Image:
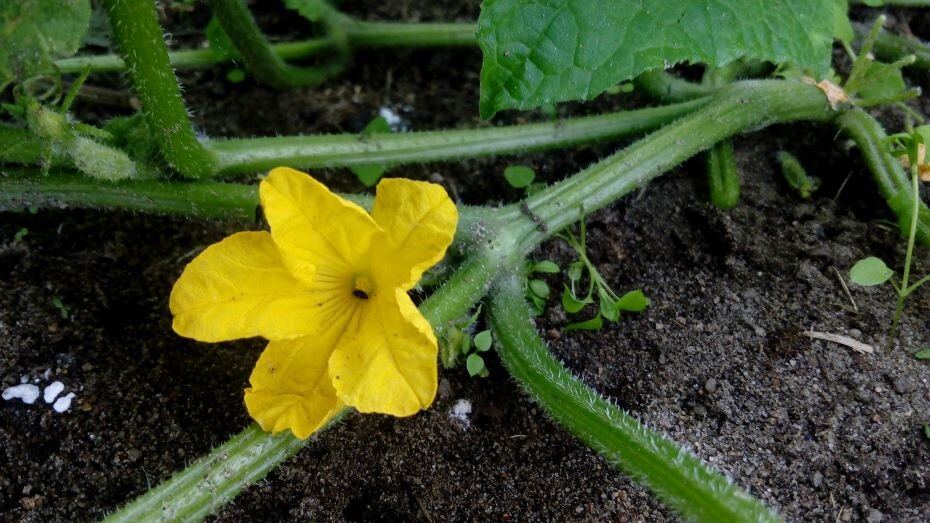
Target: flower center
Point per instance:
(362, 287)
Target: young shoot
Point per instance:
(458, 341)
(537, 290)
(873, 271)
(609, 305)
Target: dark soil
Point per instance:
(720, 362)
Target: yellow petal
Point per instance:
(291, 388)
(315, 230)
(387, 364)
(419, 220)
(239, 288)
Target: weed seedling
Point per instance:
(922, 354)
(873, 271)
(609, 305)
(62, 308)
(537, 291)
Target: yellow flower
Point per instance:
(328, 287)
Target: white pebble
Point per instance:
(461, 411)
(392, 118)
(63, 403)
(27, 392)
(52, 391)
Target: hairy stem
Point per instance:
(674, 475)
(358, 35)
(259, 58)
(739, 107)
(142, 47)
(260, 154)
(723, 175)
(893, 183)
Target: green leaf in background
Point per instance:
(34, 33)
(310, 9)
(870, 271)
(923, 354)
(519, 176)
(483, 341)
(545, 51)
(633, 301)
(220, 41)
(539, 288)
(842, 28)
(545, 266)
(880, 81)
(475, 365)
(593, 324)
(370, 174)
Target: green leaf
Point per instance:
(483, 340)
(927, 430)
(220, 41)
(633, 301)
(466, 343)
(519, 176)
(574, 271)
(34, 33)
(545, 266)
(310, 9)
(539, 304)
(475, 365)
(870, 271)
(20, 234)
(545, 51)
(236, 76)
(593, 324)
(539, 288)
(842, 28)
(571, 304)
(370, 174)
(608, 309)
(880, 81)
(923, 354)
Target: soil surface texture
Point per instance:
(720, 362)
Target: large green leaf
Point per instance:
(543, 51)
(35, 32)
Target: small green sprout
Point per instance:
(927, 430)
(609, 304)
(473, 360)
(873, 271)
(923, 354)
(796, 175)
(62, 308)
(522, 177)
(538, 290)
(20, 234)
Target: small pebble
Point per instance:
(818, 479)
(27, 392)
(63, 403)
(52, 391)
(760, 332)
(461, 412)
(855, 333)
(903, 385)
(875, 516)
(710, 385)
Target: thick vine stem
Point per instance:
(261, 60)
(201, 488)
(674, 475)
(739, 107)
(893, 183)
(142, 46)
(358, 34)
(237, 156)
(723, 175)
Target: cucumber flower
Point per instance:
(328, 288)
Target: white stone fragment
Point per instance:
(461, 411)
(27, 392)
(63, 403)
(52, 391)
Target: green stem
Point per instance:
(739, 107)
(260, 154)
(667, 87)
(358, 35)
(203, 487)
(141, 44)
(892, 47)
(675, 476)
(912, 234)
(205, 199)
(259, 58)
(723, 175)
(893, 183)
